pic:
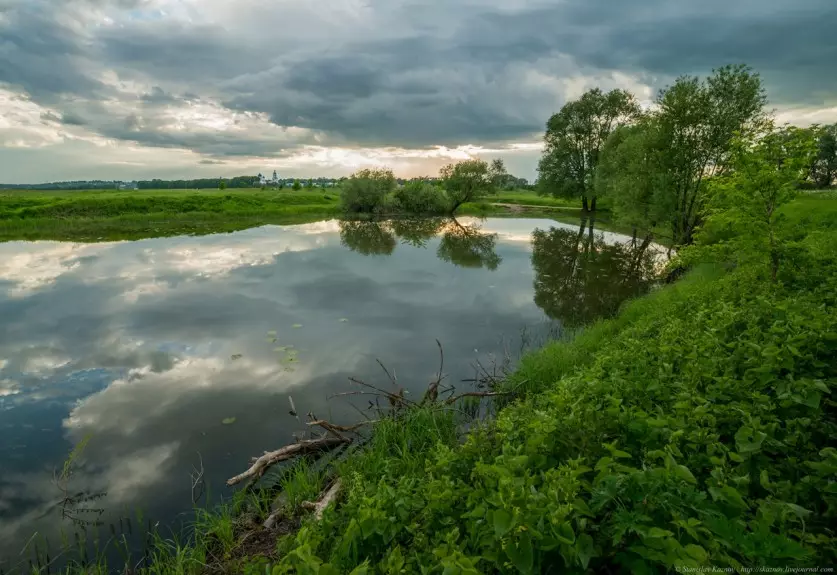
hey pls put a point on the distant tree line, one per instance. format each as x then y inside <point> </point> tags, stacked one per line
<point>200,184</point>
<point>74,185</point>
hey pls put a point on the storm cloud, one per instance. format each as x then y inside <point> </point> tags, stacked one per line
<point>271,79</point>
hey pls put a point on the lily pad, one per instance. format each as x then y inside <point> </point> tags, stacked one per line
<point>228,420</point>
<point>296,325</point>
<point>281,348</point>
<point>236,356</point>
<point>271,333</point>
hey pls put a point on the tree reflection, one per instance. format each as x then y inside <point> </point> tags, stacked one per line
<point>468,247</point>
<point>579,277</point>
<point>464,245</point>
<point>417,232</point>
<point>369,238</point>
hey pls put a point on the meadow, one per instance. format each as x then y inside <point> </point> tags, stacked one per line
<point>106,215</point>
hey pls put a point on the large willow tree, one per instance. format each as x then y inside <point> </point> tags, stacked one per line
<point>574,139</point>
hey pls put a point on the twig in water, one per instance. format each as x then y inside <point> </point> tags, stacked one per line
<point>197,481</point>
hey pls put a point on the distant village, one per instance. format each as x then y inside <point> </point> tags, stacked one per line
<point>259,181</point>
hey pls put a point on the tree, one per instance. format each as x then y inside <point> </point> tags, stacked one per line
<point>824,166</point>
<point>222,185</point>
<point>296,185</point>
<point>631,175</point>
<point>574,138</point>
<point>467,181</point>
<point>765,174</point>
<point>310,183</point>
<point>697,122</point>
<point>659,171</point>
<point>366,190</point>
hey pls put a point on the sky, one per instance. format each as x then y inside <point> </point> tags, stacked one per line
<point>135,89</point>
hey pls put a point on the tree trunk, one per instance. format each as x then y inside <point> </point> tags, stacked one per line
<point>584,207</point>
<point>593,204</point>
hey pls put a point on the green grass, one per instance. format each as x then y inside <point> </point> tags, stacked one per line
<point>111,215</point>
<point>104,215</point>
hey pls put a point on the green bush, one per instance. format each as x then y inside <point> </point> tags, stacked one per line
<point>418,197</point>
<point>366,191</point>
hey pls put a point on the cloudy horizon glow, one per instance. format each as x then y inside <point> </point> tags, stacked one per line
<point>137,89</point>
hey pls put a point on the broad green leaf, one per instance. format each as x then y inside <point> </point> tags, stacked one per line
<point>697,553</point>
<point>656,532</point>
<point>296,325</point>
<point>521,554</point>
<point>747,440</point>
<point>502,522</point>
<point>565,533</point>
<point>586,549</point>
<point>683,473</point>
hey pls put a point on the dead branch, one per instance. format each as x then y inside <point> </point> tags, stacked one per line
<point>394,399</point>
<point>262,463</point>
<point>433,389</point>
<point>197,481</point>
<point>327,498</point>
<point>391,377</point>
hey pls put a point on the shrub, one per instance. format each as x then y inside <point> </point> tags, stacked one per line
<point>366,191</point>
<point>418,197</point>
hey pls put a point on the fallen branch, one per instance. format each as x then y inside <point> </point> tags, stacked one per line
<point>327,498</point>
<point>261,464</point>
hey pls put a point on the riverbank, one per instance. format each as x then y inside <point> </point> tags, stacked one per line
<point>108,215</point>
<point>695,429</point>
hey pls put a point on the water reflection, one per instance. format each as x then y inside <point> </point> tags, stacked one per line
<point>461,244</point>
<point>370,238</point>
<point>580,277</point>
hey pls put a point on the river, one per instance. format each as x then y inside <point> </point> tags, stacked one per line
<point>165,355</point>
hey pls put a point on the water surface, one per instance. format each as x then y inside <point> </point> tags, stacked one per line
<point>150,349</point>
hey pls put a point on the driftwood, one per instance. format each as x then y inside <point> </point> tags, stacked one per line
<point>261,464</point>
<point>319,506</point>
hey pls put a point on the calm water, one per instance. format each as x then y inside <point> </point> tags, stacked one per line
<point>147,347</point>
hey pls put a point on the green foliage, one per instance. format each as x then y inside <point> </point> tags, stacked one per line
<point>222,185</point>
<point>296,186</point>
<point>469,247</point>
<point>574,139</point>
<point>745,202</point>
<point>366,191</point>
<point>659,171</point>
<point>467,181</point>
<point>824,166</point>
<point>420,197</point>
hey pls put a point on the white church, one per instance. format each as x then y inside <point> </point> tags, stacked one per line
<point>274,181</point>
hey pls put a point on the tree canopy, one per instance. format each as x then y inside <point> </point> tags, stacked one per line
<point>574,139</point>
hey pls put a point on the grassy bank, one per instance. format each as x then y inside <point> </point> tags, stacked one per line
<point>105,215</point>
<point>110,215</point>
<point>696,429</point>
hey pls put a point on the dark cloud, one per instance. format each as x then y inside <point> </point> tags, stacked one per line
<point>409,73</point>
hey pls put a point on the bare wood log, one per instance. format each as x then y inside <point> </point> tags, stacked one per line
<point>327,499</point>
<point>288,452</point>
